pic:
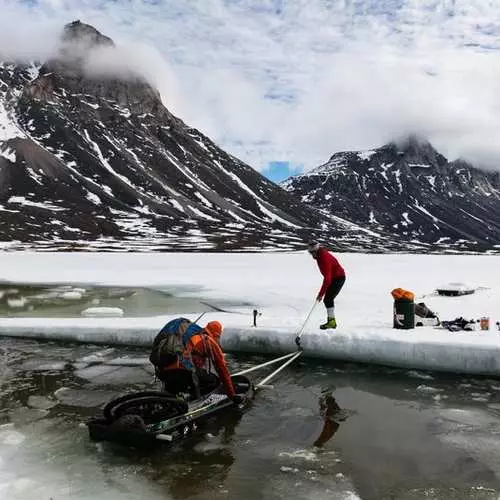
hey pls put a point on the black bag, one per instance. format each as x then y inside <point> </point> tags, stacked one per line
<point>423,311</point>
<point>459,324</point>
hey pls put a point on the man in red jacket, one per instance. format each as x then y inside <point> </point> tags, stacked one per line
<point>333,280</point>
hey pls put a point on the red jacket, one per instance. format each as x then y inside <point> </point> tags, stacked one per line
<point>203,350</point>
<point>330,268</point>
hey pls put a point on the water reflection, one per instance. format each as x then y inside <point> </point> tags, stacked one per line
<point>332,415</point>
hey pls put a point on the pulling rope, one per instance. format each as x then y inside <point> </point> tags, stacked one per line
<point>288,358</point>
<point>264,381</point>
<point>267,363</point>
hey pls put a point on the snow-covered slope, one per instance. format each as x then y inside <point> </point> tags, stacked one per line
<point>408,191</point>
<point>99,161</point>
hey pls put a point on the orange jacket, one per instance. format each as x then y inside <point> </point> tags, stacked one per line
<point>203,350</point>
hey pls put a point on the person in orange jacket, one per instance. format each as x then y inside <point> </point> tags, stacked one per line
<point>202,354</point>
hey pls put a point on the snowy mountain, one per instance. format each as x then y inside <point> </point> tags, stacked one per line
<point>97,160</point>
<point>408,191</point>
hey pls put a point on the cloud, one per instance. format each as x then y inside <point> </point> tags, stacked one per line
<point>23,37</point>
<point>298,80</point>
<point>136,60</point>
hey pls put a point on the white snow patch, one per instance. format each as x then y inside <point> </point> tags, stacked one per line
<point>35,176</point>
<point>199,213</point>
<point>366,155</point>
<point>21,200</point>
<point>384,167</point>
<point>200,143</point>
<point>93,198</point>
<point>273,217</point>
<point>105,162</point>
<point>8,153</point>
<point>397,173</point>
<point>203,199</point>
<point>9,129</point>
<point>407,219</point>
<point>107,190</point>
<point>176,204</point>
<point>236,217</point>
<point>92,105</point>
<point>425,211</point>
<point>472,216</point>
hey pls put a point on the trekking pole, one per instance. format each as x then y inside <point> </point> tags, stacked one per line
<point>199,317</point>
<point>297,338</point>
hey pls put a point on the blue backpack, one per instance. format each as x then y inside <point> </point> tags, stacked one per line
<point>170,342</point>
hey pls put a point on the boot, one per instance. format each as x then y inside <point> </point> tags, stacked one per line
<point>331,323</point>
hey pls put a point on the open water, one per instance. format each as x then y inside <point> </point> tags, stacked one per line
<point>399,434</point>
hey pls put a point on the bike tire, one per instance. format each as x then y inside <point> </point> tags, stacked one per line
<point>149,405</point>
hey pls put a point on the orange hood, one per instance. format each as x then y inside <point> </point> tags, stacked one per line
<point>214,329</point>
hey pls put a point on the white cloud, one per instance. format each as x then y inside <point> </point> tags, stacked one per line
<point>297,80</point>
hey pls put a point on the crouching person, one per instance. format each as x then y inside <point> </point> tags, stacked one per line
<point>185,357</point>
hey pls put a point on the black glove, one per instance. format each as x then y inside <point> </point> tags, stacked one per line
<point>237,399</point>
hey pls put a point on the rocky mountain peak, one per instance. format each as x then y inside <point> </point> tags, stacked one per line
<point>418,150</point>
<point>80,68</point>
<point>84,34</point>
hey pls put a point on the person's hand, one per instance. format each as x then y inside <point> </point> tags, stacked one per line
<point>319,298</point>
<point>237,399</point>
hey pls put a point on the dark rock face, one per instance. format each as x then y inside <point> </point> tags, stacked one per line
<point>98,158</point>
<point>408,191</point>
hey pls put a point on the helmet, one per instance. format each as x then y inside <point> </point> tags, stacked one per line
<point>214,329</point>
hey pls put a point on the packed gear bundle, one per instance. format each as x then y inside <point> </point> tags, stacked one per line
<point>169,344</point>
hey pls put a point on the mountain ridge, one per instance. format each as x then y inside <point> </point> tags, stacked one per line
<point>407,189</point>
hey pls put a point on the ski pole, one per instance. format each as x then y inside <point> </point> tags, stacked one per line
<point>297,338</point>
<point>199,317</point>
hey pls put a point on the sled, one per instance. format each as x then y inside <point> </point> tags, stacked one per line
<point>455,289</point>
<point>149,417</point>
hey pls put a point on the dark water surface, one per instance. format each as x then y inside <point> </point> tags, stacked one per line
<point>398,434</point>
<point>69,301</point>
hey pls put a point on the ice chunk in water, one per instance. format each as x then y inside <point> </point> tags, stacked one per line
<point>10,436</point>
<point>41,402</point>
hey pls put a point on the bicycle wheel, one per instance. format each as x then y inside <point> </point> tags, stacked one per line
<point>151,406</point>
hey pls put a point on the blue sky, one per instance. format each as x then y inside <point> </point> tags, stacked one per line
<point>278,171</point>
<point>290,82</point>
